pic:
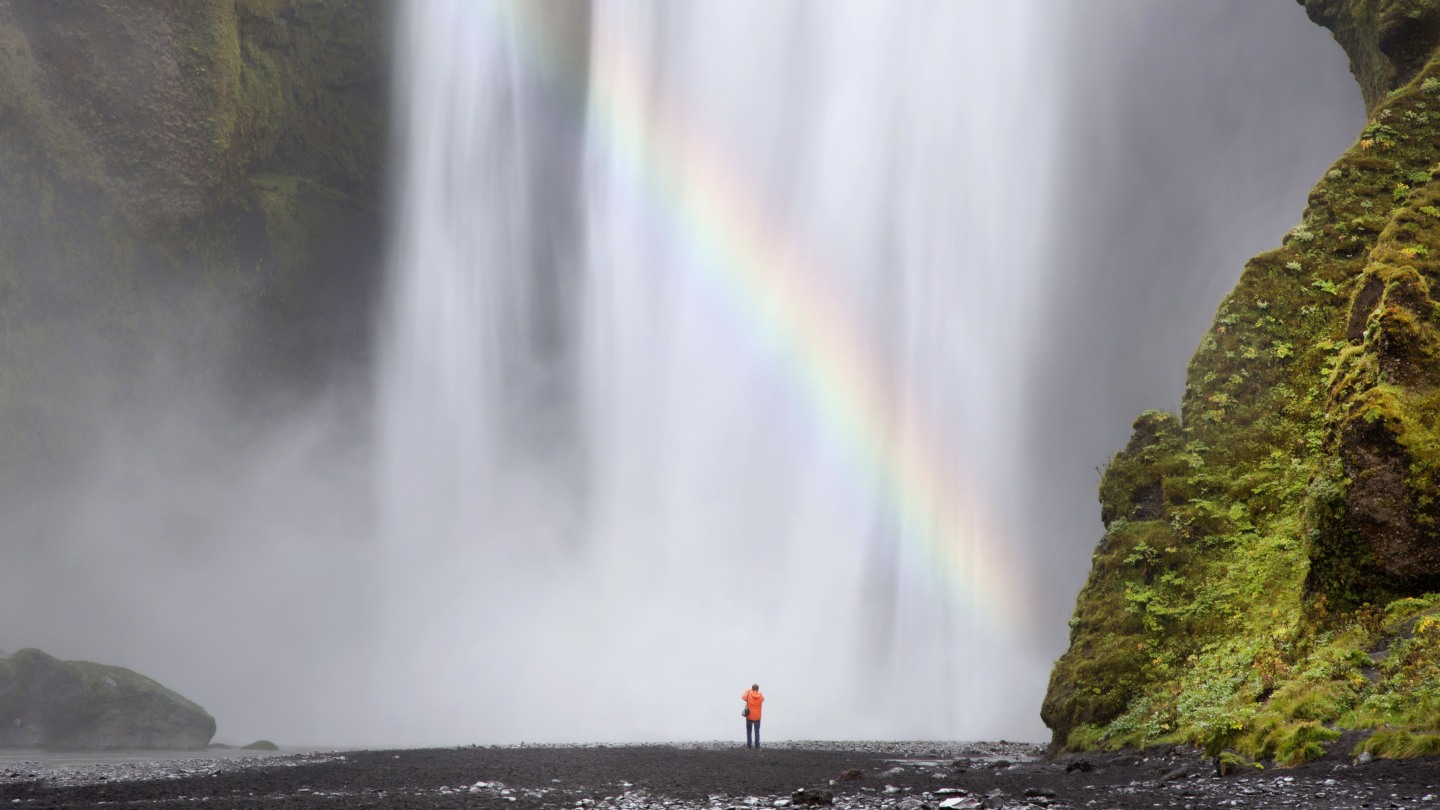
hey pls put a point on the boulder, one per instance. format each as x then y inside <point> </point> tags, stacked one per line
<point>49,703</point>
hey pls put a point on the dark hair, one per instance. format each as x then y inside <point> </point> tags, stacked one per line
<point>755,686</point>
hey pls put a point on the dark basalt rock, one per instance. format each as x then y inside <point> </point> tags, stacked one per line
<point>813,797</point>
<point>49,703</point>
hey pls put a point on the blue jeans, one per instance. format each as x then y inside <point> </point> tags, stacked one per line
<point>749,724</point>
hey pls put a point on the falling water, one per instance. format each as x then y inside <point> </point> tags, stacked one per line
<point>614,487</point>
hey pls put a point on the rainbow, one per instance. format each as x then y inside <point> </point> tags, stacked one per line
<point>775,292</point>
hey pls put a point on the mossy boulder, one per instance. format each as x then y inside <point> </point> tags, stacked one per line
<point>1271,558</point>
<point>49,703</point>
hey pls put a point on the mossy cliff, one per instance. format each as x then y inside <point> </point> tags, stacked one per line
<point>1270,569</point>
<point>182,180</point>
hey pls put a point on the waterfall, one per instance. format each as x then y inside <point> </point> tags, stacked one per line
<point>652,261</point>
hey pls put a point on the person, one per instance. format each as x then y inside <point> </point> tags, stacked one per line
<point>753,699</point>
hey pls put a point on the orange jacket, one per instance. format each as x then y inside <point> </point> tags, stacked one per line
<point>753,699</point>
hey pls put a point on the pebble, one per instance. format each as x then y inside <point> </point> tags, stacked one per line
<point>72,775</point>
<point>1158,783</point>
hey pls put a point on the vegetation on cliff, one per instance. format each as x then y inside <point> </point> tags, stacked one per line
<point>1270,570</point>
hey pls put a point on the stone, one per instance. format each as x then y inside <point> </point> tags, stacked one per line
<point>261,745</point>
<point>79,705</point>
<point>812,797</point>
<point>851,775</point>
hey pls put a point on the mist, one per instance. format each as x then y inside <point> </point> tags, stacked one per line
<point>578,496</point>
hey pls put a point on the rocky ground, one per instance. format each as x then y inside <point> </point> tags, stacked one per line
<point>715,776</point>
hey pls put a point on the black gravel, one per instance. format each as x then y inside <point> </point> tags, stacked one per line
<point>714,776</point>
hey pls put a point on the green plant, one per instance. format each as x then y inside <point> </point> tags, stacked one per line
<point>1399,744</point>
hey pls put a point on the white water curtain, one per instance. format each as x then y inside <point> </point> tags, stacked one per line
<point>711,528</point>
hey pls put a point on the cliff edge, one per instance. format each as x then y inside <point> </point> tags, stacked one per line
<point>1270,569</point>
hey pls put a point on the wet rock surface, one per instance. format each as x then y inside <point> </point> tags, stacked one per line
<point>724,776</point>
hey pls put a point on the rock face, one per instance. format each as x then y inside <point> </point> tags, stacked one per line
<point>199,176</point>
<point>1388,41</point>
<point>1270,570</point>
<point>166,106</point>
<point>49,703</point>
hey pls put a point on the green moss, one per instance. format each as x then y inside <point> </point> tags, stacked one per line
<point>1288,743</point>
<point>296,86</point>
<point>1228,762</point>
<point>1085,737</point>
<point>1266,575</point>
<point>1399,745</point>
